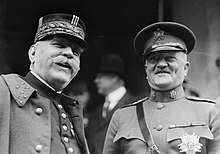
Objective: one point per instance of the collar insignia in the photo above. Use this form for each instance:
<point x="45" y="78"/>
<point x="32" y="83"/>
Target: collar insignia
<point x="190" y="144"/>
<point x="153" y="94"/>
<point x="173" y="94"/>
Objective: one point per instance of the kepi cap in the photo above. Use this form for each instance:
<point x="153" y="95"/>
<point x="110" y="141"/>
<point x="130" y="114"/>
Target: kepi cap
<point x="61" y="23"/>
<point x="160" y="36"/>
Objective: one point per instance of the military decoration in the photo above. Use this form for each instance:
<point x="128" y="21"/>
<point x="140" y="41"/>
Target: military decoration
<point x="190" y="144"/>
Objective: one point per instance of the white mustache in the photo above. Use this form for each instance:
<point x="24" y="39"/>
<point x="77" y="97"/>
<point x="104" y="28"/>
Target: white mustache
<point x="65" y="60"/>
<point x="60" y="59"/>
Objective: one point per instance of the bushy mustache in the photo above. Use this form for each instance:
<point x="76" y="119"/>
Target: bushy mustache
<point x="64" y="60"/>
<point x="60" y="59"/>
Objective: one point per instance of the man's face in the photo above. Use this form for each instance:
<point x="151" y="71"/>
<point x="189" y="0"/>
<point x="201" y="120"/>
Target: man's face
<point x="105" y="83"/>
<point x="166" y="69"/>
<point x="56" y="61"/>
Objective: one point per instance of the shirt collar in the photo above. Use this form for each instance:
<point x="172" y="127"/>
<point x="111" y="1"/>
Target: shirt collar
<point x="117" y="94"/>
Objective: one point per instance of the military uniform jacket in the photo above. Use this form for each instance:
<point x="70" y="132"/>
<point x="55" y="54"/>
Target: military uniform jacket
<point x="25" y="119"/>
<point x="182" y="125"/>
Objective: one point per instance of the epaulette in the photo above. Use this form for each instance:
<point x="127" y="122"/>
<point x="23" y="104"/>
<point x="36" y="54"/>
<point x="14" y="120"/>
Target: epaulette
<point x="135" y="103"/>
<point x="198" y="99"/>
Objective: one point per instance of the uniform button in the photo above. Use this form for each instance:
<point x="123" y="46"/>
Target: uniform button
<point x="70" y="150"/>
<point x="39" y="148"/>
<point x="159" y="127"/>
<point x="65" y="127"/>
<point x="39" y="111"/>
<point x="66" y="139"/>
<point x="22" y="92"/>
<point x="60" y="106"/>
<point x="160" y="106"/>
<point x="63" y="115"/>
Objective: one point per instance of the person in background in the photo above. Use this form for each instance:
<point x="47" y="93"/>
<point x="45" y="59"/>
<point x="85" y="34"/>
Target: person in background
<point x="167" y="121"/>
<point x="188" y="90"/>
<point x="78" y="89"/>
<point x="217" y="62"/>
<point x="110" y="82"/>
<point x="36" y="117"/>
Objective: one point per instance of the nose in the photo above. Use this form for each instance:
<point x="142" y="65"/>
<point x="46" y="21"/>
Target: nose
<point x="162" y="64"/>
<point x="67" y="52"/>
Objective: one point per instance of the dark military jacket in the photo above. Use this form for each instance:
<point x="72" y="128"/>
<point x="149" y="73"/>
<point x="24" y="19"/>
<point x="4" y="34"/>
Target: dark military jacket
<point x="177" y="125"/>
<point x="33" y="121"/>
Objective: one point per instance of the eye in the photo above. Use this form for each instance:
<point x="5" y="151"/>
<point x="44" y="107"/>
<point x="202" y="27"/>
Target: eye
<point x="152" y="59"/>
<point x="170" y="58"/>
<point x="58" y="45"/>
<point x="76" y="52"/>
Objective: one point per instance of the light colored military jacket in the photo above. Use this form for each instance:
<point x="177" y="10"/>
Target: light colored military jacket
<point x="179" y="125"/>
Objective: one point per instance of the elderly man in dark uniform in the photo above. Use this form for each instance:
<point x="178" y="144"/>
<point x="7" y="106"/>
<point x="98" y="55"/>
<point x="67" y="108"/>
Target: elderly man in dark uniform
<point x="35" y="116"/>
<point x="167" y="122"/>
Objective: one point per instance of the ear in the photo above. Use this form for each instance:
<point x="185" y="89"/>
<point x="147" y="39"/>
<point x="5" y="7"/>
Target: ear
<point x="186" y="68"/>
<point x="32" y="53"/>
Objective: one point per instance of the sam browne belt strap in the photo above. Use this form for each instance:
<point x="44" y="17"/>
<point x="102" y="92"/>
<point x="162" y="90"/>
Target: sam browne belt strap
<point x="145" y="130"/>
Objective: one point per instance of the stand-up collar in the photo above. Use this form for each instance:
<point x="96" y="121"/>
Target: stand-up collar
<point x="41" y="88"/>
<point x="167" y="96"/>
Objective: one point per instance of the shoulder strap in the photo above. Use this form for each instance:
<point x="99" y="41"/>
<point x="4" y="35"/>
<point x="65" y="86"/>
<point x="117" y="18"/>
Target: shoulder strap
<point x="145" y="130"/>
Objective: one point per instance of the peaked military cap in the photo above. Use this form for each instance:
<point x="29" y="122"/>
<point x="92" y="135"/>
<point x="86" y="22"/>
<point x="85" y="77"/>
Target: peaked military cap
<point x="60" y="23"/>
<point x="162" y="36"/>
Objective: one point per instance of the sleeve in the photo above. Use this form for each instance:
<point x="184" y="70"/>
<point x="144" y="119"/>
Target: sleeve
<point x="111" y="147"/>
<point x="214" y="145"/>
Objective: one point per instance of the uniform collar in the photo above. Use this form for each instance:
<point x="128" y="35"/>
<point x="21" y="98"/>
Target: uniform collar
<point x="42" y="88"/>
<point x="167" y="96"/>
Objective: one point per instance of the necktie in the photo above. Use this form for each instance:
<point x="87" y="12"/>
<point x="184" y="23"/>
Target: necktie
<point x="105" y="108"/>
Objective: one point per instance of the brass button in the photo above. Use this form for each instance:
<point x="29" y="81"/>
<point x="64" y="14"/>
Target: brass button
<point x="63" y="115"/>
<point x="65" y="127"/>
<point x="38" y="111"/>
<point x="159" y="127"/>
<point x="66" y="139"/>
<point x="39" y="148"/>
<point x="60" y="106"/>
<point x="160" y="106"/>
<point x="70" y="150"/>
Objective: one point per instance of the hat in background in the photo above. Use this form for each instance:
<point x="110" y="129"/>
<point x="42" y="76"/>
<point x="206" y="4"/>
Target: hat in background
<point x="111" y="63"/>
<point x="160" y="36"/>
<point x="60" y="23"/>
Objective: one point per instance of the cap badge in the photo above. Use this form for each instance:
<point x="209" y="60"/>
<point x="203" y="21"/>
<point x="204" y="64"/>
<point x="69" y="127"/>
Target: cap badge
<point x="173" y="94"/>
<point x="190" y="144"/>
<point x="159" y="35"/>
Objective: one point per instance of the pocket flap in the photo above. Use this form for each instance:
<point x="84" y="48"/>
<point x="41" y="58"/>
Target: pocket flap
<point x="129" y="133"/>
<point x="199" y="131"/>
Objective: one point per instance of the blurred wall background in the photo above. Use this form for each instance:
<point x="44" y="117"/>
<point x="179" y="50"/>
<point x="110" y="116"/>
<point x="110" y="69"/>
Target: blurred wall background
<point x="111" y="27"/>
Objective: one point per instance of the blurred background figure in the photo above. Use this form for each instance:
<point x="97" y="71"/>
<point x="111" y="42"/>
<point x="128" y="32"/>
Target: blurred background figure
<point x="110" y="82"/>
<point x="218" y="75"/>
<point x="78" y="89"/>
<point x="188" y="90"/>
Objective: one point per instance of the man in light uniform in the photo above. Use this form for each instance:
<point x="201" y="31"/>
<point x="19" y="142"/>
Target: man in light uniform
<point x="171" y="123"/>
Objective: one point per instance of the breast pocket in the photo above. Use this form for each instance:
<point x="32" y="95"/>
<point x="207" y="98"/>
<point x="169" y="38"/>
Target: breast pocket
<point x="129" y="133"/>
<point x="131" y="141"/>
<point x="199" y="131"/>
<point x="189" y="137"/>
